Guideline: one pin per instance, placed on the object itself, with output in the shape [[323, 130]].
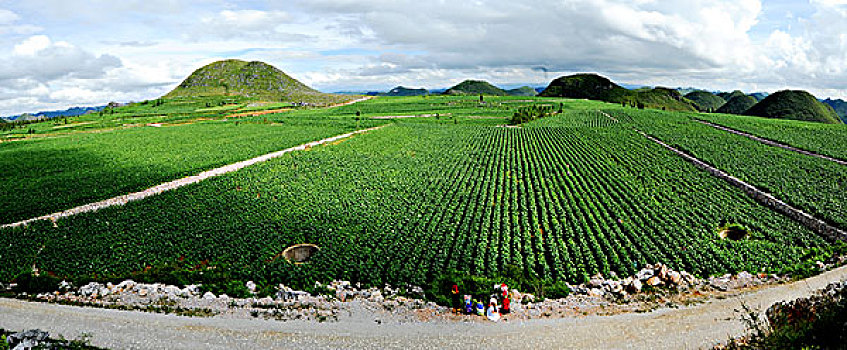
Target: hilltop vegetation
[[705, 101], [402, 91], [738, 103], [796, 105], [475, 87], [522, 91], [840, 107], [252, 80], [586, 86], [595, 87], [662, 98]]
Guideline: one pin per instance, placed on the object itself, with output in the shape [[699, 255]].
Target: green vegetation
[[595, 87], [662, 98], [475, 87], [737, 104], [839, 106], [811, 184], [705, 101], [46, 175], [796, 105], [826, 139], [404, 91], [586, 86], [522, 91], [252, 80], [563, 198]]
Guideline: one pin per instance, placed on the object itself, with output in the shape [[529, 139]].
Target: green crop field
[[813, 185], [42, 176], [826, 139], [561, 198]]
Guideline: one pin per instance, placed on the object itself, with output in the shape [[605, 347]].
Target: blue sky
[[59, 54]]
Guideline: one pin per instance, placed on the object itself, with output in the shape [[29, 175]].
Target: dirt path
[[690, 327], [772, 143], [121, 200], [258, 113]]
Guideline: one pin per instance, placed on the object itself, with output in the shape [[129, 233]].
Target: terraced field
[[562, 198]]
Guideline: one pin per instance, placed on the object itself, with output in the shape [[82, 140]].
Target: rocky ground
[[653, 287]]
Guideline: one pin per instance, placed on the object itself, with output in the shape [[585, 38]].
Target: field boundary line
[[819, 226], [171, 185], [771, 142]]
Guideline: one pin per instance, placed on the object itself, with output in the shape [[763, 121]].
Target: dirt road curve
[[685, 328]]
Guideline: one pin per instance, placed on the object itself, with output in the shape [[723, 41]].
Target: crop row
[[409, 202], [813, 185]]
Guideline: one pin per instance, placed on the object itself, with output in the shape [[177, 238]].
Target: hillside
[[252, 80], [664, 98], [522, 91], [738, 103], [586, 86], [404, 91], [796, 105], [840, 107], [705, 101], [475, 87]]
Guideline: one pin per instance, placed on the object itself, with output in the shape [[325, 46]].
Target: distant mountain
[[253, 80], [839, 106], [796, 105], [70, 112], [738, 103], [705, 101], [404, 91], [475, 87], [759, 95], [522, 91]]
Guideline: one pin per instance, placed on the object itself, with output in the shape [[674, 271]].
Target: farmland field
[[562, 198], [826, 139], [811, 184], [46, 175]]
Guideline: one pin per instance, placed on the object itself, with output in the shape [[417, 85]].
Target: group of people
[[499, 303]]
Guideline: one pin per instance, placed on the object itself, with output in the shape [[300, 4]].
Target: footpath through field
[[121, 200], [690, 327], [772, 143]]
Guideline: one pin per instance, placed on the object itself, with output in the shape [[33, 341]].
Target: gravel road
[[690, 327]]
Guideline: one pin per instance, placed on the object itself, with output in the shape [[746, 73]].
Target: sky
[[56, 54]]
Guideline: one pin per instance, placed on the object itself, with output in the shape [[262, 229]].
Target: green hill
[[839, 106], [595, 87], [475, 87], [252, 80], [587, 86], [738, 103], [522, 91], [705, 101], [794, 104], [663, 98], [404, 91]]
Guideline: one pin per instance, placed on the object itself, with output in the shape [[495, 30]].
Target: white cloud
[[41, 59]]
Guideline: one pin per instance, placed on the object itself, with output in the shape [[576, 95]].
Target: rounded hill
[[705, 101], [475, 87], [737, 104], [796, 105], [587, 86], [253, 80]]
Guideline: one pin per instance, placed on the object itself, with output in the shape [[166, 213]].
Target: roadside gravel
[[693, 327]]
